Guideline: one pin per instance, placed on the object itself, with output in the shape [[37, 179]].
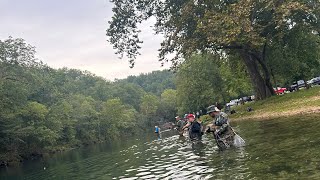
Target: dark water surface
[[286, 148]]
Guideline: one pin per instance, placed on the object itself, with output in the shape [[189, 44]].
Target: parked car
[[314, 81], [245, 98], [297, 85], [233, 102], [279, 90]]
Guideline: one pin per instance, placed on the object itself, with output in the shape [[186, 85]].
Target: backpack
[[156, 130], [196, 127]]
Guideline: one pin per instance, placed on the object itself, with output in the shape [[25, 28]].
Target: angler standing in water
[[195, 128], [222, 131], [157, 131], [179, 124]]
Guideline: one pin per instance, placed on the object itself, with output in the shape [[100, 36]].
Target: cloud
[[72, 34]]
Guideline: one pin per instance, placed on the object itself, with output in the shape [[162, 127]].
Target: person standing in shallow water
[[223, 132], [157, 131], [179, 124], [195, 128]]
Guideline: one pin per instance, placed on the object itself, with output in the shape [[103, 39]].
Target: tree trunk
[[306, 84], [274, 79], [260, 85], [262, 61], [267, 78]]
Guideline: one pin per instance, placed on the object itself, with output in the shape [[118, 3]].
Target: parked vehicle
[[279, 90], [233, 102], [297, 85], [314, 81], [245, 98]]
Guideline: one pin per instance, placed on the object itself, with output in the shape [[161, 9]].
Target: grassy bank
[[296, 103]]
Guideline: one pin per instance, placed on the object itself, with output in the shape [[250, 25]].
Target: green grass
[[292, 102]]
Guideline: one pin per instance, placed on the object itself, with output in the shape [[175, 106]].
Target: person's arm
[[187, 125], [210, 128], [225, 118], [178, 124]]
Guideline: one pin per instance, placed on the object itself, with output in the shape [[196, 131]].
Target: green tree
[[149, 105], [128, 93], [116, 118], [86, 118], [295, 57], [199, 83], [34, 130], [235, 77], [62, 120], [244, 27], [205, 79], [155, 82], [168, 104]]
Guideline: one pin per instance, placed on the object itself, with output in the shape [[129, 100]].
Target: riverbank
[[15, 159], [302, 102]]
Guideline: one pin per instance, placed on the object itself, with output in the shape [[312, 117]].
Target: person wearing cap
[[222, 130], [194, 127]]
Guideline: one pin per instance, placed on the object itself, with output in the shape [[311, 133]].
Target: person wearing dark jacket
[[195, 128]]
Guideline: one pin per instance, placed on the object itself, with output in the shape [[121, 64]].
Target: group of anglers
[[223, 133]]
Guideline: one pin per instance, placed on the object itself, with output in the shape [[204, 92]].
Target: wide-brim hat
[[212, 108]]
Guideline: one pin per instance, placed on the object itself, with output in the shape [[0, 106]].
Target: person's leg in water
[[225, 136]]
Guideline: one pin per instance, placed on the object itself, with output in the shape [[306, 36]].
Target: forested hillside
[[44, 109], [155, 82]]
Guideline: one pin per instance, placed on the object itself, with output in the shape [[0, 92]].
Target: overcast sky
[[71, 33]]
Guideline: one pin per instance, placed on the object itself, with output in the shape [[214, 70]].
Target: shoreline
[[267, 116], [302, 102]]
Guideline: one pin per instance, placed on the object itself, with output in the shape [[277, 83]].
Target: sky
[[71, 33]]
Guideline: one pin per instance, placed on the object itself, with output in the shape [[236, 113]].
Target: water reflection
[[286, 149]]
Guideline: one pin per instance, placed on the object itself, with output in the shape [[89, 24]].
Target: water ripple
[[176, 158]]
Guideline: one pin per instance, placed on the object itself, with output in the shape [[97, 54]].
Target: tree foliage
[[168, 104], [155, 82], [44, 110], [205, 79], [243, 27], [295, 57]]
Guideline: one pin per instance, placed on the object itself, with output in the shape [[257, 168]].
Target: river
[[286, 148]]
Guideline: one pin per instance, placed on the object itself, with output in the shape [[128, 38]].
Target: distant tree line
[[45, 110]]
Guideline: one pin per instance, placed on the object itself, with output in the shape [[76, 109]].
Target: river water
[[287, 148]]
